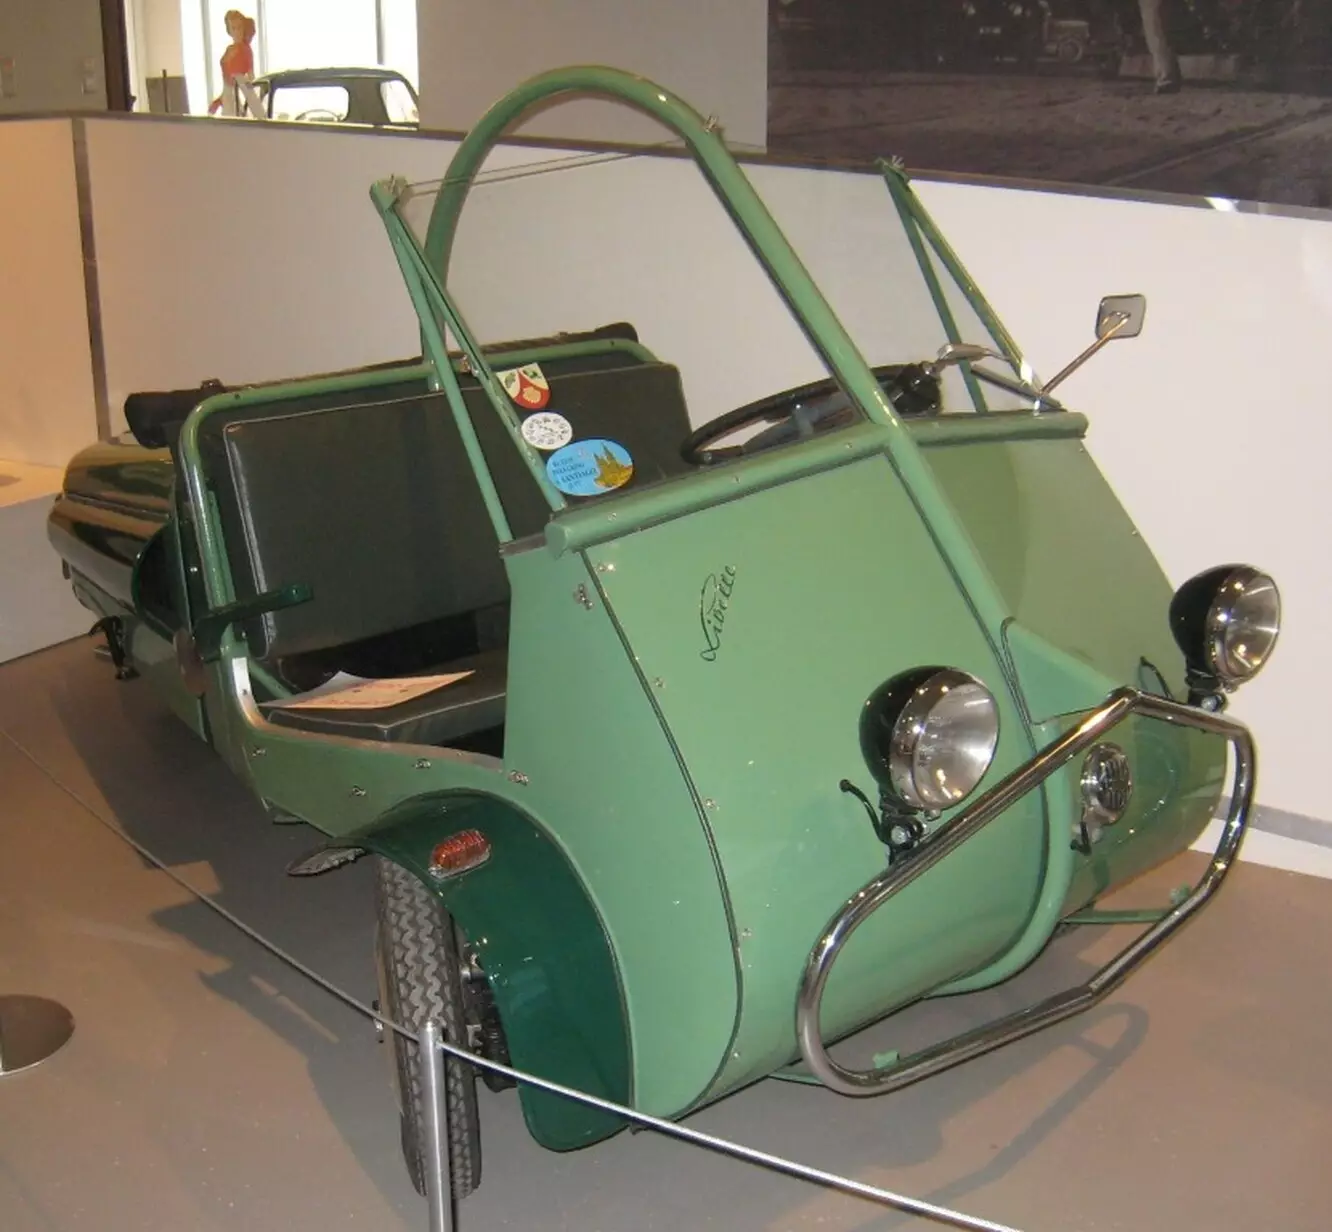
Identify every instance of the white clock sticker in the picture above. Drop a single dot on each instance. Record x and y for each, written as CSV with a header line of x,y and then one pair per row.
x,y
547,430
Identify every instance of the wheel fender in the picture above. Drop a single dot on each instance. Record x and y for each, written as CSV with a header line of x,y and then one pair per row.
x,y
541,942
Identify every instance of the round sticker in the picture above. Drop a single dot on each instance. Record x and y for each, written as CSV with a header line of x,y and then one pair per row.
x,y
547,430
590,468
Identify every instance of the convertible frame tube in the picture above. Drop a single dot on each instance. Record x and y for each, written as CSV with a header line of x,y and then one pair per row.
x,y
760,231
861,905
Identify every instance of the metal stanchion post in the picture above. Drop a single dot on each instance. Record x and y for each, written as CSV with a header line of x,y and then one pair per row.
x,y
438,1174
31,1029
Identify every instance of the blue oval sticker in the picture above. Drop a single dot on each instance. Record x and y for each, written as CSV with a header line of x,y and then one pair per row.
x,y
590,468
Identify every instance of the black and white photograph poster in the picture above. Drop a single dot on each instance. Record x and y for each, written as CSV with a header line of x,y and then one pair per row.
x,y
1216,98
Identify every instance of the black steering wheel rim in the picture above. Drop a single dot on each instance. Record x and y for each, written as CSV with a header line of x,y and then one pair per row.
x,y
910,388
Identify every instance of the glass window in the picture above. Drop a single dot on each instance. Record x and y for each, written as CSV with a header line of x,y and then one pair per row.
x,y
560,247
302,34
314,103
891,291
319,34
399,104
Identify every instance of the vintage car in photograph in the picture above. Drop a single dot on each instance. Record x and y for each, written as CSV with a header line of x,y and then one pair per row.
x,y
955,35
704,687
381,97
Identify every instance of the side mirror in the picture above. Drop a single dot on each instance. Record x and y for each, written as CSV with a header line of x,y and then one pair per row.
x,y
1120,316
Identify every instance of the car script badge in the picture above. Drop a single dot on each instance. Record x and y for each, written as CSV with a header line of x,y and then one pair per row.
x,y
590,468
547,430
713,601
527,386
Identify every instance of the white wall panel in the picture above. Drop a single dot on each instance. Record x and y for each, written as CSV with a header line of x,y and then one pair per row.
x,y
232,250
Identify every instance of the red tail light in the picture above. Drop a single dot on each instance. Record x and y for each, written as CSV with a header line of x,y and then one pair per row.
x,y
461,853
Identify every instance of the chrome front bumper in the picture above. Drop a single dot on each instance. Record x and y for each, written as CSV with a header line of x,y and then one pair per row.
x,y
861,905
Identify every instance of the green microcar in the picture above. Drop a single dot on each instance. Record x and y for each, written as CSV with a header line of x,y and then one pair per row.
x,y
687,739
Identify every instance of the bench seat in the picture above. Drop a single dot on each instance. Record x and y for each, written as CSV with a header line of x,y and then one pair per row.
x,y
440,717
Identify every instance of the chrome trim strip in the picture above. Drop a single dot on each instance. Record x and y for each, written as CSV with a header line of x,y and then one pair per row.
x,y
861,905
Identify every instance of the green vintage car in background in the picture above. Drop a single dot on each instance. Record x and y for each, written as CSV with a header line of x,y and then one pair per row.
x,y
683,751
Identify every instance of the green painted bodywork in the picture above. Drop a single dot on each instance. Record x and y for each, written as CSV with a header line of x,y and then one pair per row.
x,y
669,838
1059,546
568,994
769,725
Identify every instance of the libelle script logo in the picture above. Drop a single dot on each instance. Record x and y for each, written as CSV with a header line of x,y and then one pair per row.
x,y
713,600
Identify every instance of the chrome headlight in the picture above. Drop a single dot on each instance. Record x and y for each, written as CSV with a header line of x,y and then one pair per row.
x,y
1107,785
929,736
1226,622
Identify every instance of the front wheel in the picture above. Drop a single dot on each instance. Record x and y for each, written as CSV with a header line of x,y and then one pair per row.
x,y
420,978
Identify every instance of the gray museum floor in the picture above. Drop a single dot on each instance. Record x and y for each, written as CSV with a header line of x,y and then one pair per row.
x,y
207,1086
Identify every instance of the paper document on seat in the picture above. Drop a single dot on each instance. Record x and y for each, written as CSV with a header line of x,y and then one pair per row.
x,y
345,692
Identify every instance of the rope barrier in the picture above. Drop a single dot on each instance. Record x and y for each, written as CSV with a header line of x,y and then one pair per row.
x,y
765,1159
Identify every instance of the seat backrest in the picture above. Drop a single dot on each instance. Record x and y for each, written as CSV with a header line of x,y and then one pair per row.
x,y
639,406
375,507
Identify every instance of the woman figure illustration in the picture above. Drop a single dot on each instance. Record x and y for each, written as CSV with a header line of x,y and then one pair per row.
x,y
237,61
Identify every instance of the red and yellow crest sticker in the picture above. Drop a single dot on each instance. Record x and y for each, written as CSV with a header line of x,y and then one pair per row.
x,y
527,386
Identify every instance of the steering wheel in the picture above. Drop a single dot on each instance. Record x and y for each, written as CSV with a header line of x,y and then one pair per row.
x,y
808,410
321,115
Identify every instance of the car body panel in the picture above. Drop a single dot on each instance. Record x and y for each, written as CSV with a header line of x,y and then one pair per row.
x,y
599,767
544,951
763,641
1072,568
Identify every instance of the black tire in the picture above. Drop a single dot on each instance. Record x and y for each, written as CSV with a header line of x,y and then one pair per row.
x,y
419,979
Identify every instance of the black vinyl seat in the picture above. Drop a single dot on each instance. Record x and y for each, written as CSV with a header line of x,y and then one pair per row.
x,y
375,508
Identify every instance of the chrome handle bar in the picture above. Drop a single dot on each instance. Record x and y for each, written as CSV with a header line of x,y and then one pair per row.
x,y
861,905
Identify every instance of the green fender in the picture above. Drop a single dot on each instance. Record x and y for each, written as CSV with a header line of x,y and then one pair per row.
x,y
541,943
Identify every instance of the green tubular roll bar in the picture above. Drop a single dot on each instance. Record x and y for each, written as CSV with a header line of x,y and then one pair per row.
x,y
760,231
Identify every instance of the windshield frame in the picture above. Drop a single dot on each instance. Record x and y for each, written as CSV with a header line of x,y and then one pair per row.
x,y
425,267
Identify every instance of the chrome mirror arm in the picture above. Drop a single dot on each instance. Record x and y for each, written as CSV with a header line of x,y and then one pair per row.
x,y
1112,331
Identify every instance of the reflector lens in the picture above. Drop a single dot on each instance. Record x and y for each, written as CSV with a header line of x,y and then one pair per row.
x,y
461,853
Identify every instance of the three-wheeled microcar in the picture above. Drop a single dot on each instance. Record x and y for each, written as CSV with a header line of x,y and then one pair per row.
x,y
716,649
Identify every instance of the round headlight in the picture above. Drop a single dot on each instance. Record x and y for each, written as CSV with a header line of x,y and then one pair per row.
x,y
929,737
1107,785
1226,622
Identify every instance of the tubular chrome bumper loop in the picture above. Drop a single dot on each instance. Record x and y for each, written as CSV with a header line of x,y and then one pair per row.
x,y
861,905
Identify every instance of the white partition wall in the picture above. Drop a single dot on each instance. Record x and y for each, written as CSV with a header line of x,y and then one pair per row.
x,y
46,382
715,55
244,252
